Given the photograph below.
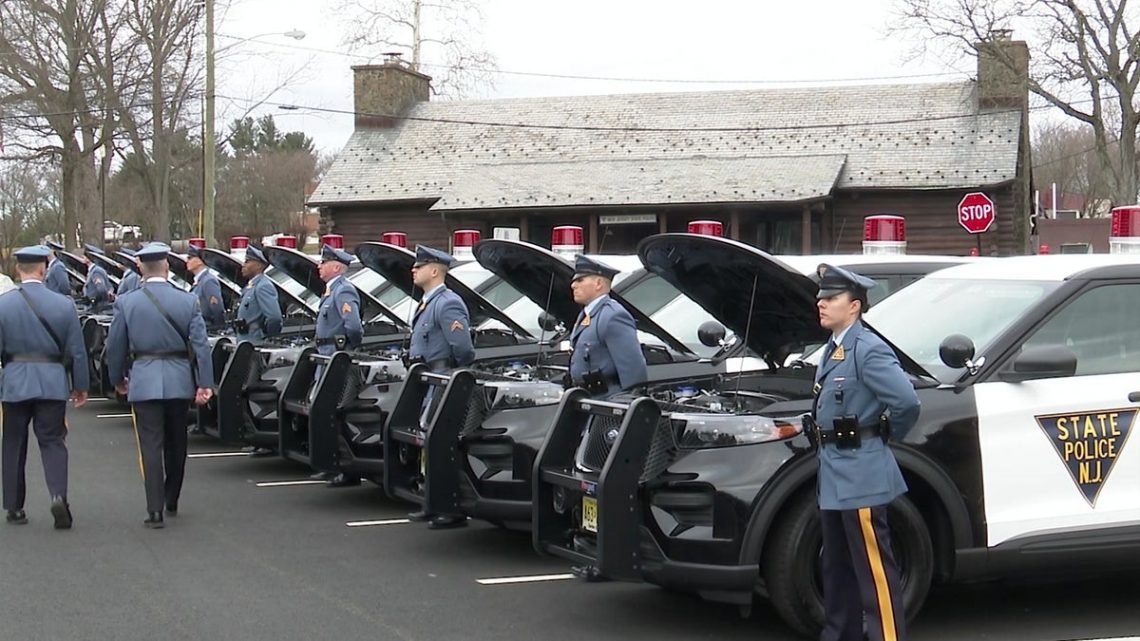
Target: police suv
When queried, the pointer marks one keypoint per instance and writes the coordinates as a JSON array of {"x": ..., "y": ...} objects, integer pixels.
[{"x": 1027, "y": 371}]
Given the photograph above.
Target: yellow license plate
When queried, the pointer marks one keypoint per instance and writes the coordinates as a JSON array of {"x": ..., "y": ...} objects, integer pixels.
[{"x": 589, "y": 514}]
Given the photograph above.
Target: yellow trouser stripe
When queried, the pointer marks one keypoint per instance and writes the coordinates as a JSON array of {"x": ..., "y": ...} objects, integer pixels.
[
  {"x": 138, "y": 442},
  {"x": 882, "y": 590}
]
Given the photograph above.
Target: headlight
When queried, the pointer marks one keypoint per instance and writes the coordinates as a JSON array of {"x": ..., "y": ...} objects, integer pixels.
[
  {"x": 698, "y": 431},
  {"x": 528, "y": 394}
]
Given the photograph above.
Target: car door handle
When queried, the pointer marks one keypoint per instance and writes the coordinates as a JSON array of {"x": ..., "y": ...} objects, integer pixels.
[{"x": 1134, "y": 397}]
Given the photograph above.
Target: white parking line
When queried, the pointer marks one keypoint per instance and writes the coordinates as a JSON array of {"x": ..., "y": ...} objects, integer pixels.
[
  {"x": 217, "y": 454},
  {"x": 506, "y": 580},
  {"x": 127, "y": 415},
  {"x": 381, "y": 522},
  {"x": 100, "y": 400},
  {"x": 288, "y": 483}
]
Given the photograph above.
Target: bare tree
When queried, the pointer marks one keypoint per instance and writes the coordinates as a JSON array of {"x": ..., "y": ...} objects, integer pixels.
[
  {"x": 1085, "y": 62},
  {"x": 441, "y": 38},
  {"x": 1064, "y": 155},
  {"x": 30, "y": 205}
]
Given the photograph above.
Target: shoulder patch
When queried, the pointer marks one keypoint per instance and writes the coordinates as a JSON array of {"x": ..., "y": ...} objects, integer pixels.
[
  {"x": 346, "y": 308},
  {"x": 213, "y": 300},
  {"x": 456, "y": 325}
]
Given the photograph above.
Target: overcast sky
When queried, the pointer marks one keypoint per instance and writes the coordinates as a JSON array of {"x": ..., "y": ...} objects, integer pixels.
[{"x": 778, "y": 42}]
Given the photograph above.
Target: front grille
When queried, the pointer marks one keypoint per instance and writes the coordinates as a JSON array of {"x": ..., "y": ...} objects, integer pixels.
[
  {"x": 602, "y": 432},
  {"x": 595, "y": 448},
  {"x": 478, "y": 406},
  {"x": 353, "y": 380}
]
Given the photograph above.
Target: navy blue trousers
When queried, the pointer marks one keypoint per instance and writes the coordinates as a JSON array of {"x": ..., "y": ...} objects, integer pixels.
[
  {"x": 47, "y": 419},
  {"x": 860, "y": 577}
]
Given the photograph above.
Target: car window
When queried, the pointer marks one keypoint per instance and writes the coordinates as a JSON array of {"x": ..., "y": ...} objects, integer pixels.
[
  {"x": 649, "y": 294},
  {"x": 1101, "y": 326}
]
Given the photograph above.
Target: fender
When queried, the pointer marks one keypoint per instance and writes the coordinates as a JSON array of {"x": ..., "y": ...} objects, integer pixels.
[{"x": 800, "y": 471}]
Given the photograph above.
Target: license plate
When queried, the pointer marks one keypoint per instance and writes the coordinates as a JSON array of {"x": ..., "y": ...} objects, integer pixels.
[{"x": 589, "y": 514}]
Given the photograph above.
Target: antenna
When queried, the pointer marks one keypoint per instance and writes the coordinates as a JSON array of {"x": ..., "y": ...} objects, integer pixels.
[
  {"x": 542, "y": 330},
  {"x": 747, "y": 329}
]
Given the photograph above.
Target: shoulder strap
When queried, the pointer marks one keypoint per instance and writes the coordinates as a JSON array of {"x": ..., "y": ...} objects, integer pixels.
[
  {"x": 170, "y": 320},
  {"x": 36, "y": 312}
]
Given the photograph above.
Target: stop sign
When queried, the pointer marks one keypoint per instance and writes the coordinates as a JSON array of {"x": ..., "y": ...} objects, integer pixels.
[{"x": 976, "y": 212}]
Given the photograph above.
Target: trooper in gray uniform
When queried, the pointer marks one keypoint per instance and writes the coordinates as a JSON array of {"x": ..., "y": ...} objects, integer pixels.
[
  {"x": 441, "y": 337},
  {"x": 863, "y": 399},
  {"x": 606, "y": 354},
  {"x": 338, "y": 320},
  {"x": 208, "y": 290},
  {"x": 56, "y": 279},
  {"x": 259, "y": 313},
  {"x": 160, "y": 329},
  {"x": 45, "y": 362},
  {"x": 97, "y": 287},
  {"x": 130, "y": 280}
]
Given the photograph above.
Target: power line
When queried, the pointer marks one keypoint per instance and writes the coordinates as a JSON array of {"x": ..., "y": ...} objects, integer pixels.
[{"x": 98, "y": 110}]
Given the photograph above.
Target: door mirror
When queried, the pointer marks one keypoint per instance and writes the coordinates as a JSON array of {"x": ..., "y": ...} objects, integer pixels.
[
  {"x": 956, "y": 350},
  {"x": 547, "y": 321},
  {"x": 1043, "y": 361},
  {"x": 711, "y": 333}
]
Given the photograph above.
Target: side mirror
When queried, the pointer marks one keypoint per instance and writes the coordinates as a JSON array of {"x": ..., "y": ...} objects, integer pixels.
[
  {"x": 710, "y": 333},
  {"x": 1043, "y": 361},
  {"x": 956, "y": 350},
  {"x": 547, "y": 321}
]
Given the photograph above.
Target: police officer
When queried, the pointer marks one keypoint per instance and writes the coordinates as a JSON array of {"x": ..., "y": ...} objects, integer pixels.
[
  {"x": 97, "y": 287},
  {"x": 863, "y": 398},
  {"x": 338, "y": 320},
  {"x": 441, "y": 337},
  {"x": 130, "y": 280},
  {"x": 40, "y": 341},
  {"x": 161, "y": 330},
  {"x": 208, "y": 290},
  {"x": 56, "y": 279},
  {"x": 606, "y": 354},
  {"x": 259, "y": 313}
]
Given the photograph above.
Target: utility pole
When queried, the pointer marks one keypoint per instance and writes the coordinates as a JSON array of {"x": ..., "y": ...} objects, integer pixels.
[{"x": 208, "y": 138}]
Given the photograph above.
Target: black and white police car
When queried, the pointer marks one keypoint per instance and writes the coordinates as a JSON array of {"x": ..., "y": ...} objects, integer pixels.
[{"x": 1028, "y": 370}]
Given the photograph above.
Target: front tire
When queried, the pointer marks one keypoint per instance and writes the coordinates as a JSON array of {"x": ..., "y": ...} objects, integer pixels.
[{"x": 791, "y": 566}]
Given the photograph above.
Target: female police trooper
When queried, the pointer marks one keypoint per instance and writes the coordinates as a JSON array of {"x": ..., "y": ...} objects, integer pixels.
[
  {"x": 606, "y": 356},
  {"x": 863, "y": 397},
  {"x": 259, "y": 313}
]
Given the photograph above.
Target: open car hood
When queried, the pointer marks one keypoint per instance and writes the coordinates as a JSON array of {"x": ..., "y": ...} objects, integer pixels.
[
  {"x": 395, "y": 265},
  {"x": 231, "y": 292},
  {"x": 124, "y": 261},
  {"x": 76, "y": 268},
  {"x": 543, "y": 276},
  {"x": 303, "y": 269},
  {"x": 114, "y": 270},
  {"x": 229, "y": 269}
]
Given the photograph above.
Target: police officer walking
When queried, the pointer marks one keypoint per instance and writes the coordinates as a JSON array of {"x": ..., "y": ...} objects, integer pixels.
[
  {"x": 259, "y": 313},
  {"x": 208, "y": 290},
  {"x": 130, "y": 280},
  {"x": 56, "y": 279},
  {"x": 441, "y": 337},
  {"x": 97, "y": 288},
  {"x": 863, "y": 398},
  {"x": 606, "y": 354},
  {"x": 45, "y": 362},
  {"x": 161, "y": 330}
]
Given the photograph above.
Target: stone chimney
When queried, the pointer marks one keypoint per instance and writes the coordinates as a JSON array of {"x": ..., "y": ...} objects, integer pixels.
[
  {"x": 383, "y": 92},
  {"x": 1003, "y": 72}
]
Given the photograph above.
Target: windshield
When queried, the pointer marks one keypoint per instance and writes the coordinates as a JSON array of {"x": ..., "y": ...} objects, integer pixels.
[
  {"x": 681, "y": 317},
  {"x": 649, "y": 293},
  {"x": 918, "y": 317},
  {"x": 293, "y": 287}
]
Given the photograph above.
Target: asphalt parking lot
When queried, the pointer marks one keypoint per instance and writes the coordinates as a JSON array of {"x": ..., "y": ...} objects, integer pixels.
[{"x": 249, "y": 559}]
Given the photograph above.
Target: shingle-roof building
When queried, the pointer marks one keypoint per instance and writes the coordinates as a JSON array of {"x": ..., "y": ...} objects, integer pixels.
[{"x": 791, "y": 171}]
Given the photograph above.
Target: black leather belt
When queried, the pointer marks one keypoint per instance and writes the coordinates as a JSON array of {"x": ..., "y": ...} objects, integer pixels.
[
  {"x": 832, "y": 437},
  {"x": 160, "y": 356},
  {"x": 33, "y": 358},
  {"x": 321, "y": 342}
]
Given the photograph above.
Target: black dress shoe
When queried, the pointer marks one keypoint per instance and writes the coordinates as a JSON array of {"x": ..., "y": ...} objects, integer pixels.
[
  {"x": 61, "y": 512},
  {"x": 588, "y": 573},
  {"x": 259, "y": 452},
  {"x": 17, "y": 517},
  {"x": 340, "y": 480},
  {"x": 321, "y": 476},
  {"x": 419, "y": 516},
  {"x": 447, "y": 522},
  {"x": 172, "y": 508},
  {"x": 154, "y": 521}
]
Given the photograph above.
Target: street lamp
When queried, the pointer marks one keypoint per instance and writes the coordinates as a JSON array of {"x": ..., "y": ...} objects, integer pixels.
[{"x": 208, "y": 165}]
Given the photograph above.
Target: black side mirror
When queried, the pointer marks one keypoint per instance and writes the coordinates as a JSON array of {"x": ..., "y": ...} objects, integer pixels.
[
  {"x": 956, "y": 350},
  {"x": 710, "y": 333},
  {"x": 547, "y": 321},
  {"x": 1043, "y": 361}
]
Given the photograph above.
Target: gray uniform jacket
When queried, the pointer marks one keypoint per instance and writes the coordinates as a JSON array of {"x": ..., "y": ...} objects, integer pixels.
[
  {"x": 209, "y": 292},
  {"x": 22, "y": 333},
  {"x": 441, "y": 331},
  {"x": 608, "y": 342},
  {"x": 57, "y": 279},
  {"x": 339, "y": 314},
  {"x": 863, "y": 380},
  {"x": 139, "y": 328},
  {"x": 97, "y": 287},
  {"x": 259, "y": 308},
  {"x": 129, "y": 283}
]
